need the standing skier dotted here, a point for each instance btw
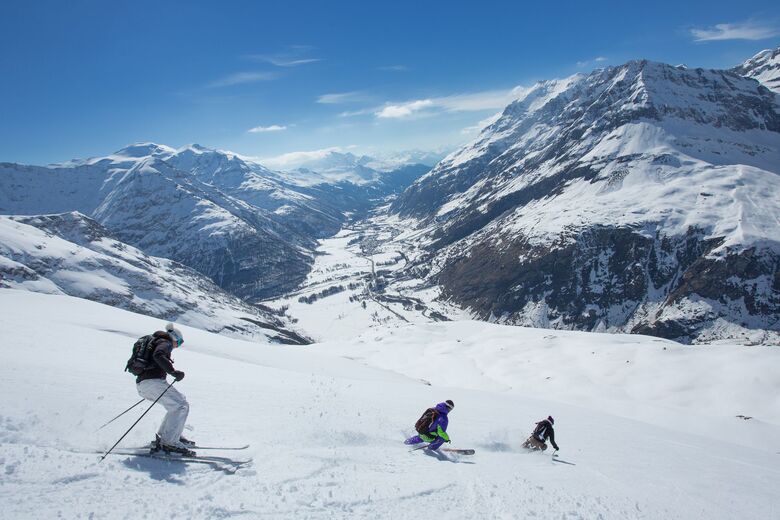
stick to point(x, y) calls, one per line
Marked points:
point(544, 430)
point(151, 383)
point(432, 426)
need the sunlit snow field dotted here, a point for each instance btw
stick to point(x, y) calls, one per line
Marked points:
point(649, 424)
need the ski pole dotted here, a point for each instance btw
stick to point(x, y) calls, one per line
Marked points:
point(120, 415)
point(136, 422)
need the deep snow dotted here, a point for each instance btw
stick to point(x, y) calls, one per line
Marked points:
point(656, 437)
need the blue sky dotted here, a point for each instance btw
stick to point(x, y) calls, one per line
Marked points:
point(84, 78)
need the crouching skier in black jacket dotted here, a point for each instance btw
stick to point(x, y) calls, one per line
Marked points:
point(152, 382)
point(544, 430)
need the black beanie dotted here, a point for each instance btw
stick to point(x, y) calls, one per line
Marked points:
point(449, 404)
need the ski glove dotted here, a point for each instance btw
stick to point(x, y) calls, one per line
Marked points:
point(178, 375)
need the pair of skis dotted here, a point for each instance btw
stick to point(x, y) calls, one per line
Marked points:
point(448, 450)
point(226, 465)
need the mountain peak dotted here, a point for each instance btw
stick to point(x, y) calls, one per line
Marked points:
point(143, 149)
point(194, 147)
point(763, 67)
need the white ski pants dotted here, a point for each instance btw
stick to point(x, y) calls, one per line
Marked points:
point(173, 401)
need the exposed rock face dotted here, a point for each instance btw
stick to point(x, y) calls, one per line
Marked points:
point(640, 198)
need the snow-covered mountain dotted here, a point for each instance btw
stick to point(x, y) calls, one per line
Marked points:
point(354, 183)
point(643, 197)
point(250, 229)
point(148, 203)
point(334, 167)
point(763, 67)
point(72, 254)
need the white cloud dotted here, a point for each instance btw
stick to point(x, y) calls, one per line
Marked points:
point(353, 113)
point(394, 68)
point(287, 62)
point(342, 97)
point(272, 128)
point(586, 63)
point(293, 57)
point(241, 78)
point(473, 102)
point(291, 160)
point(749, 30)
point(403, 109)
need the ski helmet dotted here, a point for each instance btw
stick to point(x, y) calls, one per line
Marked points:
point(175, 334)
point(450, 404)
point(549, 418)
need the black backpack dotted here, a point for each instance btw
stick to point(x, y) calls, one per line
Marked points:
point(423, 424)
point(141, 359)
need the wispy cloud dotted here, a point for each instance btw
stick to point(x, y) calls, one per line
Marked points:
point(240, 78)
point(472, 102)
point(393, 68)
point(271, 128)
point(404, 109)
point(749, 30)
point(294, 56)
point(596, 60)
point(342, 97)
point(286, 62)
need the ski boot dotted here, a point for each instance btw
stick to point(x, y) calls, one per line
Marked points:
point(179, 448)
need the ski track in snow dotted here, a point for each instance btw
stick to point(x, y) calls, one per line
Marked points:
point(325, 431)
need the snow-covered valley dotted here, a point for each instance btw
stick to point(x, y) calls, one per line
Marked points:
point(651, 425)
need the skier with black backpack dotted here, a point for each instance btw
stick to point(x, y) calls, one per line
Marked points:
point(432, 426)
point(544, 430)
point(151, 362)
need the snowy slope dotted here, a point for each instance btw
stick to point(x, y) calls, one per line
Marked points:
point(763, 67)
point(74, 255)
point(641, 197)
point(326, 429)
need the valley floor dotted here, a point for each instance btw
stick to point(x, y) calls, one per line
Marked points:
point(649, 424)
point(357, 284)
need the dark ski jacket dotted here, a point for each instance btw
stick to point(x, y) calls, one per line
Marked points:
point(544, 430)
point(161, 356)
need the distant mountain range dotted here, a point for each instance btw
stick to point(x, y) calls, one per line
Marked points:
point(250, 230)
point(643, 197)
